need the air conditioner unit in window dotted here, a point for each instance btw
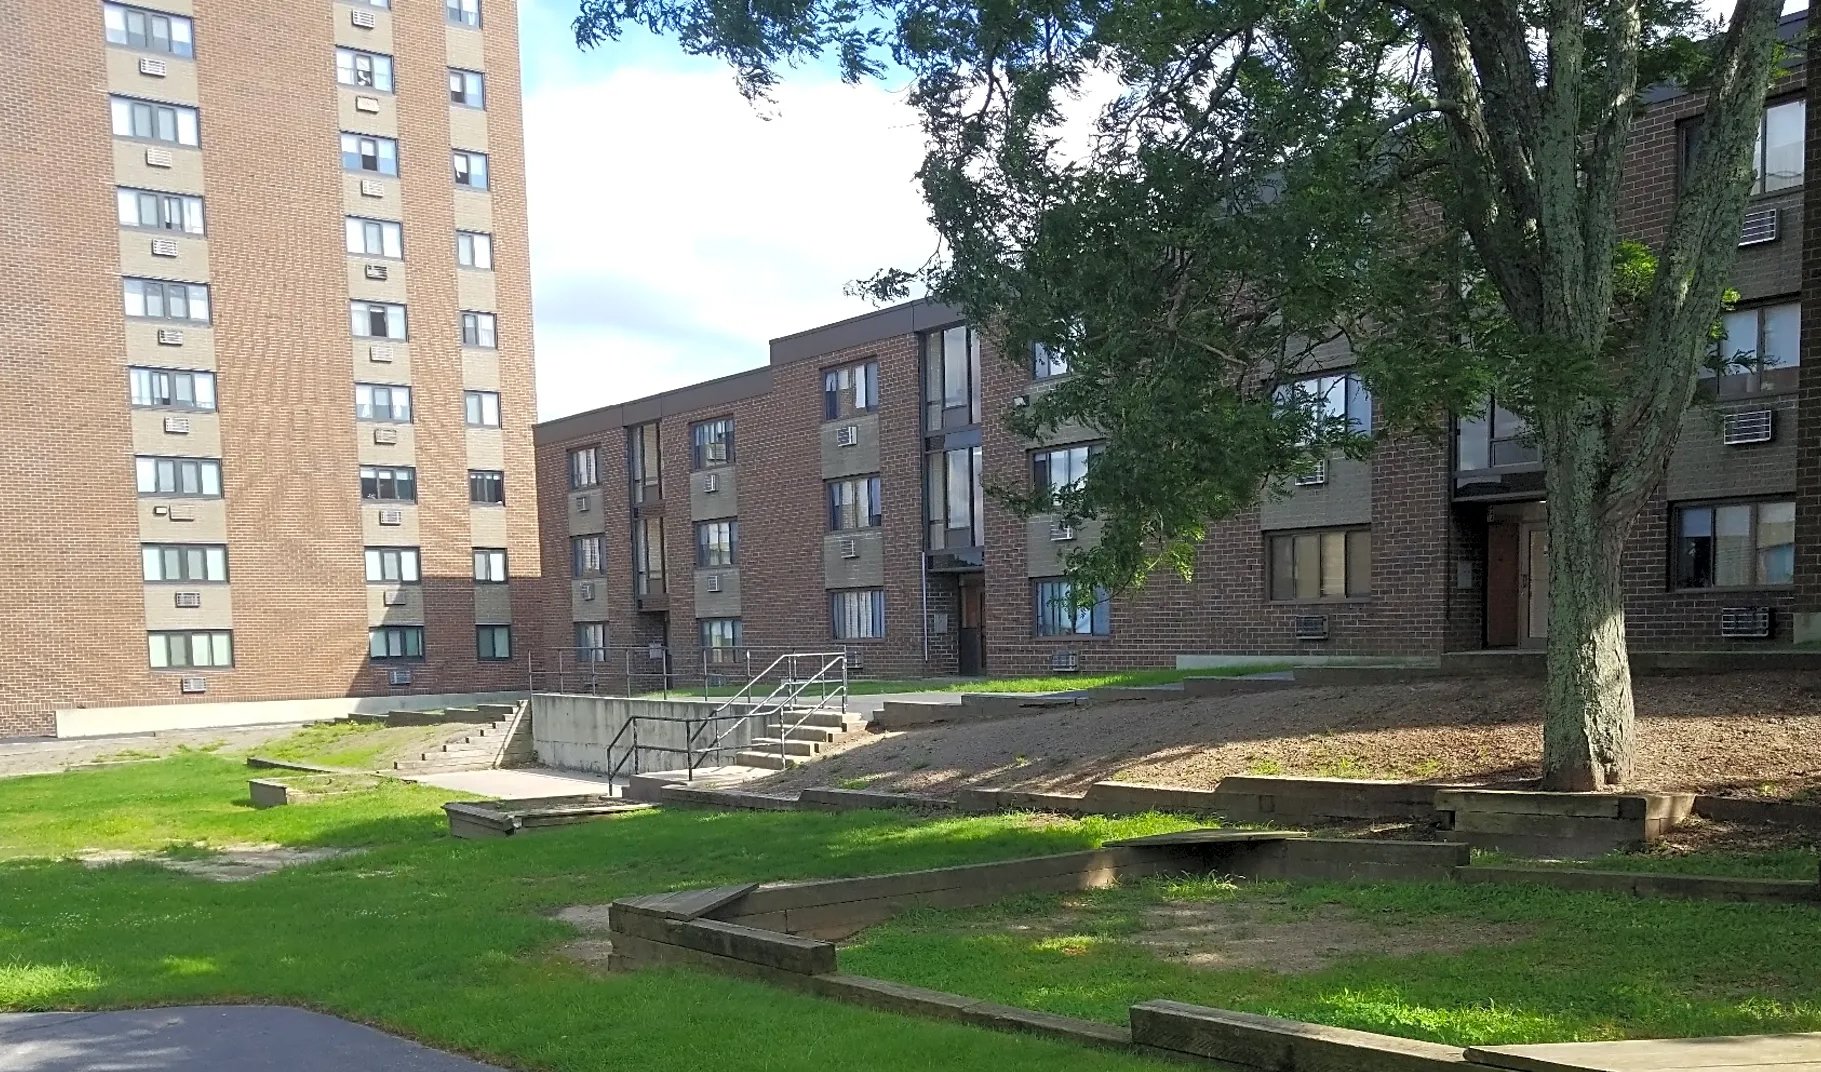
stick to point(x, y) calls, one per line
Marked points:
point(366, 104)
point(164, 247)
point(151, 68)
point(850, 548)
point(170, 337)
point(391, 517)
point(362, 19)
point(1744, 426)
point(1745, 622)
point(847, 435)
point(1760, 226)
point(711, 483)
point(1311, 627)
point(856, 659)
point(379, 355)
point(1314, 477)
point(1060, 532)
point(395, 597)
point(193, 685)
point(372, 188)
point(188, 600)
point(582, 504)
point(713, 582)
point(1065, 662)
point(587, 591)
point(177, 426)
point(717, 452)
point(396, 676)
point(158, 158)
point(385, 437)
point(180, 512)
point(375, 271)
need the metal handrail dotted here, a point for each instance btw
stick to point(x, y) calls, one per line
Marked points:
point(772, 704)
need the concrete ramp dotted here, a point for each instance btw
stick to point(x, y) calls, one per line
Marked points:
point(1732, 1053)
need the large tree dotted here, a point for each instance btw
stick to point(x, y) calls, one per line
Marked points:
point(1434, 184)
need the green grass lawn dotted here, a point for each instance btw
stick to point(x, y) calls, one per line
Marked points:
point(1565, 966)
point(358, 745)
point(1049, 683)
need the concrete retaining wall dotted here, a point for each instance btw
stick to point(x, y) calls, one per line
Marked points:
point(579, 732)
point(1559, 824)
point(150, 718)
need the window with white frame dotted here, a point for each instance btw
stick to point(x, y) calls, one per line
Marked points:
point(474, 249)
point(480, 330)
point(858, 613)
point(172, 388)
point(198, 478)
point(1060, 613)
point(190, 562)
point(467, 88)
point(370, 154)
point(393, 565)
point(375, 238)
point(382, 402)
point(149, 31)
point(162, 299)
point(206, 649)
point(173, 124)
point(158, 211)
point(363, 70)
point(482, 408)
point(490, 565)
point(376, 320)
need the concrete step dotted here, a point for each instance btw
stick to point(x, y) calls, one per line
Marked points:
point(460, 752)
point(813, 734)
point(791, 748)
point(500, 709)
point(421, 766)
point(767, 760)
point(834, 720)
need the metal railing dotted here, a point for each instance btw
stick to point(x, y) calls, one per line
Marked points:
point(619, 670)
point(791, 688)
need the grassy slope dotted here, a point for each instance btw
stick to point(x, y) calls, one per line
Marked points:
point(1593, 967)
point(358, 745)
point(450, 941)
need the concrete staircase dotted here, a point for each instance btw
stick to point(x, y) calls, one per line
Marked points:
point(820, 729)
point(504, 741)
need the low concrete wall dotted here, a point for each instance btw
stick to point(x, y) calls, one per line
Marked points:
point(1650, 884)
point(1735, 810)
point(149, 718)
point(1247, 1040)
point(1559, 824)
point(577, 732)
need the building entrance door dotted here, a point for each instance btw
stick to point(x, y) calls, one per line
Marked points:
point(970, 636)
point(1535, 581)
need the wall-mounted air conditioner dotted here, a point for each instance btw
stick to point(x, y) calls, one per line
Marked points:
point(170, 336)
point(151, 68)
point(1745, 622)
point(385, 437)
point(1758, 227)
point(186, 600)
point(1745, 426)
point(177, 426)
point(1314, 477)
point(713, 582)
point(376, 271)
point(1311, 627)
point(847, 435)
point(1065, 662)
point(164, 247)
point(391, 517)
point(850, 548)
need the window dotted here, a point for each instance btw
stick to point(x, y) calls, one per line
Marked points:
point(396, 642)
point(158, 299)
point(376, 320)
point(151, 121)
point(207, 649)
point(388, 483)
point(382, 402)
point(591, 641)
point(584, 467)
point(364, 152)
point(1046, 363)
point(479, 329)
point(648, 556)
point(722, 639)
point(645, 463)
point(711, 443)
point(473, 249)
point(375, 238)
point(951, 378)
point(585, 555)
point(858, 614)
point(152, 31)
point(1736, 545)
point(717, 542)
point(1335, 564)
point(363, 70)
point(1337, 398)
point(172, 388)
point(467, 88)
point(490, 565)
point(1777, 157)
point(1063, 468)
point(463, 12)
point(482, 408)
point(853, 503)
point(1760, 351)
point(392, 565)
point(1495, 437)
point(487, 487)
point(160, 211)
point(1059, 615)
point(850, 389)
point(492, 642)
point(193, 477)
point(184, 562)
point(471, 169)
point(956, 499)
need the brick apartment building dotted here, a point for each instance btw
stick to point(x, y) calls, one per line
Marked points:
point(832, 498)
point(267, 346)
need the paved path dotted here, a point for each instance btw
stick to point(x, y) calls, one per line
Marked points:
point(522, 783)
point(210, 1038)
point(1735, 1053)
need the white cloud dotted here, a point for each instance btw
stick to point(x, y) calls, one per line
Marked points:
point(675, 230)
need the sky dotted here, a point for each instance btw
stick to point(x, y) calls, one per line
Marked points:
point(676, 229)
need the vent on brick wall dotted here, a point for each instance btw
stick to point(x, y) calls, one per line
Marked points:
point(711, 483)
point(856, 659)
point(1745, 622)
point(372, 188)
point(366, 104)
point(713, 583)
point(1065, 662)
point(385, 437)
point(1060, 532)
point(1747, 426)
point(1760, 226)
point(190, 600)
point(587, 591)
point(581, 504)
point(151, 68)
point(164, 247)
point(363, 19)
point(391, 517)
point(177, 425)
point(159, 158)
point(375, 271)
point(1314, 477)
point(193, 684)
point(395, 597)
point(381, 355)
point(1311, 627)
point(170, 336)
point(397, 676)
point(850, 548)
point(717, 452)
point(847, 435)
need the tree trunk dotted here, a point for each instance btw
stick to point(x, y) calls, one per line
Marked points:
point(1587, 714)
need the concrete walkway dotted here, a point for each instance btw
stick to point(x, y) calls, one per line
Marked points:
point(210, 1038)
point(523, 783)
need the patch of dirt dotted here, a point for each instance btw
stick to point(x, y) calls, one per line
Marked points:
point(230, 863)
point(50, 755)
point(1734, 734)
point(587, 918)
point(1697, 835)
point(1221, 936)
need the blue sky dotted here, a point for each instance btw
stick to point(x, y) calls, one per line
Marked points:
point(675, 229)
